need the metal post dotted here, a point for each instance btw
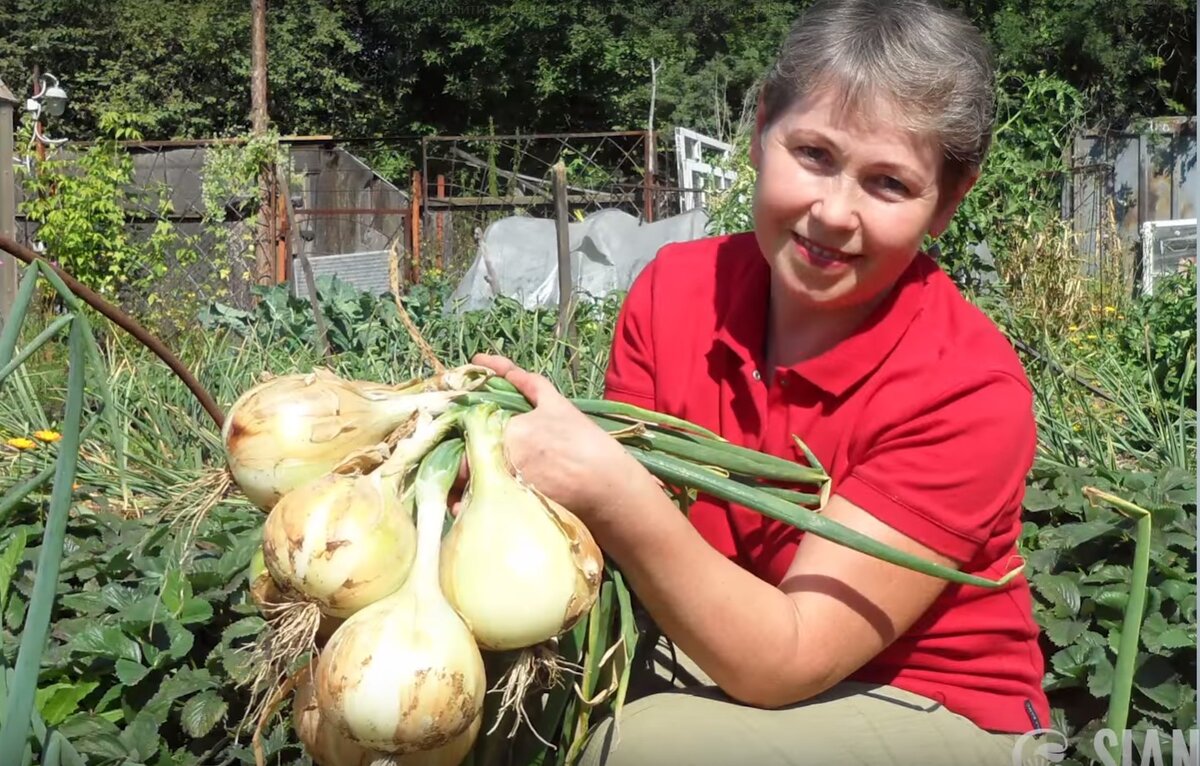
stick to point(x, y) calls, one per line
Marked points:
point(8, 202)
point(564, 328)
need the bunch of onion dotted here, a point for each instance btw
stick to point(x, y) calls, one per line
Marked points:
point(404, 675)
point(337, 544)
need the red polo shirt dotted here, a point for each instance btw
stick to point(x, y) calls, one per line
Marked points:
point(922, 418)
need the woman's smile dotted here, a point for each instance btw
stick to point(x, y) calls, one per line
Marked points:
point(822, 257)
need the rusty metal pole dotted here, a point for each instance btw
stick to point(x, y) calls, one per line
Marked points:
point(8, 202)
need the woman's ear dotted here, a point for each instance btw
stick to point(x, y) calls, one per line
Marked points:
point(756, 138)
point(954, 194)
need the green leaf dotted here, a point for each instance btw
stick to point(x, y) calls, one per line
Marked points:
point(1044, 559)
point(1178, 590)
point(1101, 677)
point(88, 602)
point(181, 639)
point(14, 552)
point(175, 591)
point(130, 673)
point(1111, 599)
point(105, 641)
point(1072, 661)
point(142, 614)
point(243, 628)
point(1174, 637)
point(1075, 535)
point(57, 702)
point(1062, 632)
point(195, 610)
point(1109, 573)
point(186, 681)
point(93, 735)
point(1038, 499)
point(202, 712)
point(118, 597)
point(1156, 679)
point(1114, 638)
point(1059, 589)
point(141, 737)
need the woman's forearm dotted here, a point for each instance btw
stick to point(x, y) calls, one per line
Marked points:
point(740, 630)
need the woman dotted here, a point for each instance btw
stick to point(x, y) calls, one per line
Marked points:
point(830, 323)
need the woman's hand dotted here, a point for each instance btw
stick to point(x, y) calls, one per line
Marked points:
point(561, 451)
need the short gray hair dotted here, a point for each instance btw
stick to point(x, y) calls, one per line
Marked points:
point(930, 61)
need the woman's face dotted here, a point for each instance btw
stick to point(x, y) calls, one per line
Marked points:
point(842, 204)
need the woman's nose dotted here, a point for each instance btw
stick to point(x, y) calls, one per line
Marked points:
point(836, 205)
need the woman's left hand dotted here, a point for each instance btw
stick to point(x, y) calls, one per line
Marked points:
point(561, 451)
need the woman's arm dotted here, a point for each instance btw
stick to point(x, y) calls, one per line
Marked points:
point(766, 646)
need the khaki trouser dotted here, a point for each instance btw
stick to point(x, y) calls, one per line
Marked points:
point(675, 716)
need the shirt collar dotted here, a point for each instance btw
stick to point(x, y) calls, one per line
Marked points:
point(743, 322)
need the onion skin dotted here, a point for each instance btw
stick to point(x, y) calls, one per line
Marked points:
point(519, 568)
point(328, 747)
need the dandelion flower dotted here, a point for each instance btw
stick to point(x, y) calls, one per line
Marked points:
point(21, 442)
point(47, 435)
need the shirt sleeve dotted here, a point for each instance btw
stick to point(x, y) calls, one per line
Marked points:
point(630, 374)
point(951, 473)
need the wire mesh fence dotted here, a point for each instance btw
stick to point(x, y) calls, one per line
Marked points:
point(467, 182)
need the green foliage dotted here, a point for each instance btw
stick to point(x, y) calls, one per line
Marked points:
point(184, 65)
point(1132, 58)
point(143, 663)
point(1019, 188)
point(405, 67)
point(366, 330)
point(730, 210)
point(1160, 336)
point(232, 173)
point(1079, 562)
point(84, 206)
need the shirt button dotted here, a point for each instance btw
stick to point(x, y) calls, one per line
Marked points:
point(757, 375)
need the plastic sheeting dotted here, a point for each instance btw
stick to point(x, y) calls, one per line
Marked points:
point(518, 257)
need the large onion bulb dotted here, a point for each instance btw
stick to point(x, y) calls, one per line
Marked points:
point(291, 429)
point(516, 565)
point(329, 747)
point(347, 539)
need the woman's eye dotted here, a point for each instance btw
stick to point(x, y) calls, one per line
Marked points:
point(893, 185)
point(812, 153)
